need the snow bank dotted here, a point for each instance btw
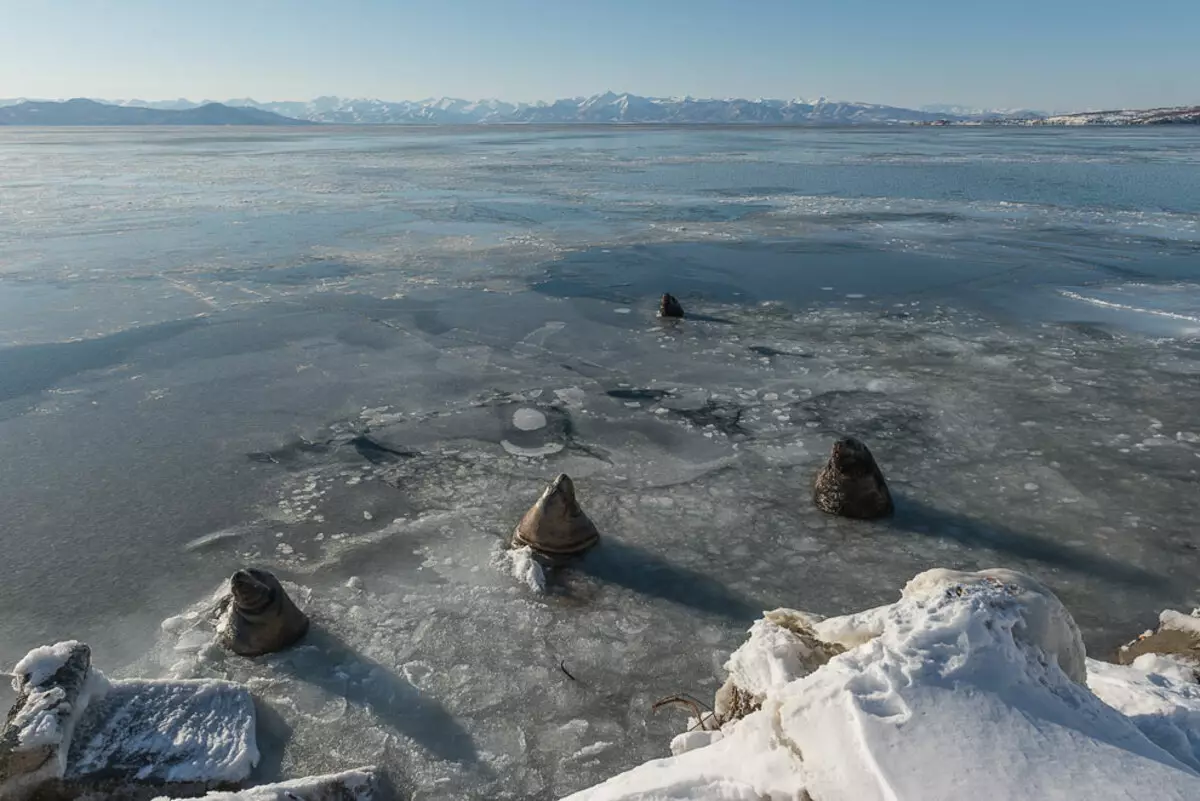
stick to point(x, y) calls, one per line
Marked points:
point(971, 685)
point(361, 784)
point(1158, 697)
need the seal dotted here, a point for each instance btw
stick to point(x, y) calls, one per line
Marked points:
point(258, 616)
point(555, 524)
point(669, 306)
point(851, 484)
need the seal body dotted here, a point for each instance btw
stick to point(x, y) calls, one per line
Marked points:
point(851, 484)
point(556, 524)
point(259, 617)
point(669, 306)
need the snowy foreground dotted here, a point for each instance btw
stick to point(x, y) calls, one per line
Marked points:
point(972, 685)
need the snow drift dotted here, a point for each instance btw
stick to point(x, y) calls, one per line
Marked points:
point(972, 685)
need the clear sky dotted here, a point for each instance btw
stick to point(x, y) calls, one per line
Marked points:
point(1046, 54)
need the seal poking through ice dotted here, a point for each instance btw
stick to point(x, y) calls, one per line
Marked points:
point(669, 306)
point(851, 483)
point(258, 616)
point(555, 524)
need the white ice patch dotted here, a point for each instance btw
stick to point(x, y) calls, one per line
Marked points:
point(353, 785)
point(528, 419)
point(549, 449)
point(525, 568)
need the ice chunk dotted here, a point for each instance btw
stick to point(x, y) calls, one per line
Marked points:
point(970, 672)
point(200, 732)
point(528, 419)
point(361, 784)
point(525, 568)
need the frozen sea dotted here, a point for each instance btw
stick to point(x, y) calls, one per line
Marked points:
point(330, 353)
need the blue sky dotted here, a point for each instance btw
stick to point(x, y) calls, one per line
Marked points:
point(1051, 54)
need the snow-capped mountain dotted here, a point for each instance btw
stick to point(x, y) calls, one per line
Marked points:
point(609, 107)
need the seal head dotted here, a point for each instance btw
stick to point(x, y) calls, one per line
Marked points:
point(669, 306)
point(555, 524)
point(259, 616)
point(851, 483)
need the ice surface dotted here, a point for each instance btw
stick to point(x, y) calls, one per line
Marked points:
point(966, 674)
point(362, 369)
point(352, 785)
point(200, 731)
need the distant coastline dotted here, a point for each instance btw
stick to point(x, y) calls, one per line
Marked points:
point(605, 109)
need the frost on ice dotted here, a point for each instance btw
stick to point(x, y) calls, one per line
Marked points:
point(980, 675)
point(353, 785)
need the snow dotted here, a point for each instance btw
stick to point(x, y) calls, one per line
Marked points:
point(42, 663)
point(976, 674)
point(525, 568)
point(168, 731)
point(1178, 621)
point(1161, 699)
point(352, 785)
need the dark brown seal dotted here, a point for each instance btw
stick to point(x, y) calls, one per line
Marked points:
point(555, 524)
point(851, 484)
point(259, 616)
point(669, 306)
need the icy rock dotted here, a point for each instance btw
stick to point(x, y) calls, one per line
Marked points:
point(258, 617)
point(190, 735)
point(969, 686)
point(669, 306)
point(851, 483)
point(783, 646)
point(361, 784)
point(556, 524)
point(1177, 637)
point(53, 690)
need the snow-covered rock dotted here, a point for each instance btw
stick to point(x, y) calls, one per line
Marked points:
point(73, 734)
point(362, 784)
point(1176, 642)
point(972, 685)
point(54, 685)
point(199, 732)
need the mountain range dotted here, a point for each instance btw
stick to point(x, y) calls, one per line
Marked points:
point(603, 108)
point(596, 109)
point(90, 112)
